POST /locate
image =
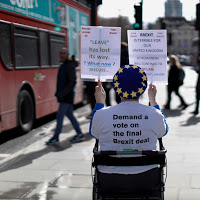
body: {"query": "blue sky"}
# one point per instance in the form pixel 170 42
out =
pixel 152 9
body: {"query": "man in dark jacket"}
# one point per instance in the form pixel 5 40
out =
pixel 66 81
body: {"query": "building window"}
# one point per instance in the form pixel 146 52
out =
pixel 5 45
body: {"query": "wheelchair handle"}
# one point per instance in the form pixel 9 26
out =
pixel 154 153
pixel 134 152
pixel 96 152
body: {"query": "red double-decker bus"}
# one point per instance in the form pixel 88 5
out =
pixel 31 34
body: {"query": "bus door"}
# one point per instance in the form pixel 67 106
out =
pixel 7 78
pixel 0 109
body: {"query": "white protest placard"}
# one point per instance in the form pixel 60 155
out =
pixel 148 50
pixel 100 52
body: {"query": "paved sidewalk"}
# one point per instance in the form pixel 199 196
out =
pixel 63 172
pixel 183 144
pixel 56 172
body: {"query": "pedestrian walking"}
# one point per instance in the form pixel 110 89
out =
pixel 175 80
pixel 66 81
pixel 197 68
pixel 73 58
pixel 90 90
pixel 124 60
pixel 107 87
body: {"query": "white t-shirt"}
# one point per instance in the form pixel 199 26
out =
pixel 128 125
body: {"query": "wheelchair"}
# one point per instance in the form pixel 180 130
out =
pixel 147 185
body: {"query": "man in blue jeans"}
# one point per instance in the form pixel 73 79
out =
pixel 66 81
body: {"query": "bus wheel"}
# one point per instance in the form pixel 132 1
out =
pixel 25 111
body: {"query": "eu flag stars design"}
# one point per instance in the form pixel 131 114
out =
pixel 134 67
pixel 130 81
pixel 119 90
pixel 140 90
pixel 125 94
pixel 127 66
pixel 120 70
pixel 116 84
pixel 143 84
pixel 133 94
pixel 141 71
pixel 144 78
pixel 115 78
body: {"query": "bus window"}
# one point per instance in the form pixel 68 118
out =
pixel 26 48
pixel 5 45
pixel 56 43
pixel 44 49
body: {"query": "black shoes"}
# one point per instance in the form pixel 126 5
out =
pixel 184 106
pixel 195 112
pixel 78 138
pixel 166 107
pixel 52 141
pixel 75 139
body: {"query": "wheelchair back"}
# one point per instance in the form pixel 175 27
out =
pixel 147 185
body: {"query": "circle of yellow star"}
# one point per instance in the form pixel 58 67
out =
pixel 141 71
pixel 133 94
pixel 115 78
pixel 144 78
pixel 119 90
pixel 143 84
pixel 116 84
pixel 120 70
pixel 134 67
pixel 140 90
pixel 127 66
pixel 125 94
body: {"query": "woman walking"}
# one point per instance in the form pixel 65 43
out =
pixel 174 82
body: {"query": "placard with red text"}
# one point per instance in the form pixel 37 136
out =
pixel 100 52
pixel 148 50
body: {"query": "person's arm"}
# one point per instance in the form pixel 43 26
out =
pixel 166 125
pixel 100 97
pixel 98 106
pixel 152 100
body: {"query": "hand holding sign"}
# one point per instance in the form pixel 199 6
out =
pixel 148 49
pixel 152 94
pixel 100 94
pixel 100 52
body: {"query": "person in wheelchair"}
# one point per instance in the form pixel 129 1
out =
pixel 127 126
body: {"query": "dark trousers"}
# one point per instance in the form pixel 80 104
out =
pixel 107 91
pixel 176 90
pixel 90 90
pixel 197 95
pixel 66 109
pixel 197 101
pixel 118 99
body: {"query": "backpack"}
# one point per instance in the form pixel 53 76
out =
pixel 181 76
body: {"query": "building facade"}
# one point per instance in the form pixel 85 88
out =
pixel 181 35
pixel 182 39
